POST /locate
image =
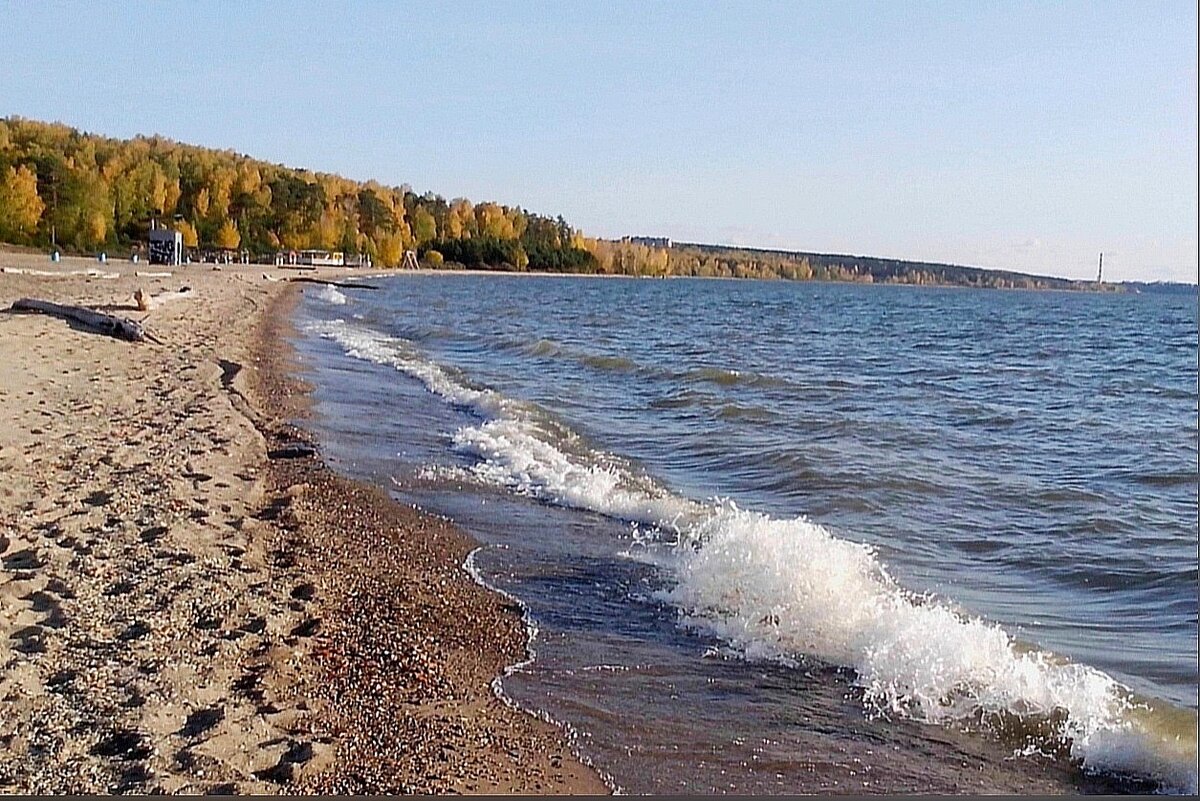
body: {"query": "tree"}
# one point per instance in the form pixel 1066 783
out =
pixel 373 214
pixel 20 206
pixel 460 219
pixel 190 238
pixel 85 210
pixel 424 228
pixel 228 237
pixel 390 249
pixel 201 202
pixel 493 222
pixel 328 232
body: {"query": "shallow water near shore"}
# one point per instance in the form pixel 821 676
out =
pixel 803 537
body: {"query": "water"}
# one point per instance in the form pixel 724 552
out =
pixel 805 537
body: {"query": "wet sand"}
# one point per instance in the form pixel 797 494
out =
pixel 191 601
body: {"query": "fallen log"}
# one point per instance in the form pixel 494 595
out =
pixel 58 273
pixel 338 284
pixel 119 327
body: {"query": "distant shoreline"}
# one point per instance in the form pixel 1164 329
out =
pixel 1050 283
pixel 1124 287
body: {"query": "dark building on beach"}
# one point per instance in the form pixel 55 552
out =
pixel 166 246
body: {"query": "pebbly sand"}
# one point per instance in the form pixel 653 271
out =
pixel 188 606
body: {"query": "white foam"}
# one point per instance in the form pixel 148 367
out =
pixel 785 589
pixel 330 295
pixel 512 454
pixel 370 345
pixel 778 589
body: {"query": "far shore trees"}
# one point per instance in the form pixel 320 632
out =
pixel 88 192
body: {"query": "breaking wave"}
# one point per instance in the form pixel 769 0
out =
pixel 788 589
pixel 330 295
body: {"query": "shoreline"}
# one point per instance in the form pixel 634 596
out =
pixel 425 271
pixel 183 613
pixel 527 755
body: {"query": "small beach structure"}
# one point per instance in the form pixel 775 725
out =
pixel 322 258
pixel 165 246
pixel 310 258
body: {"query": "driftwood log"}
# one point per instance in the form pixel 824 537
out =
pixel 119 327
pixel 338 284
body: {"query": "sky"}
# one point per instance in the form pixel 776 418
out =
pixel 1026 136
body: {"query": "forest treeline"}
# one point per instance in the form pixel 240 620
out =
pixel 81 192
pixel 735 262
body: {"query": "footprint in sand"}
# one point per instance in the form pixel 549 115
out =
pixel 132 780
pixel 25 559
pixel 201 720
pixel 29 640
pixel 306 629
pixel 281 773
pixel 152 534
pixel 123 744
pixel 135 631
pixel 63 682
pixel 98 498
pixel 120 588
pixel 43 601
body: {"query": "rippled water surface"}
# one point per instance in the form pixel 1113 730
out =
pixel 783 536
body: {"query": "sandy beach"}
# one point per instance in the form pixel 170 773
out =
pixel 192 602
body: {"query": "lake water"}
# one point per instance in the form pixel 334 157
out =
pixel 801 537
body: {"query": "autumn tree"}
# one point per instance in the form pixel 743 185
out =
pixel 191 239
pixel 390 250
pixel 20 205
pixel 424 229
pixel 228 237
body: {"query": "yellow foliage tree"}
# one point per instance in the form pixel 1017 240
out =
pixel 424 227
pixel 461 218
pixel 191 239
pixel 202 202
pixel 20 206
pixel 97 227
pixel 329 231
pixel 390 249
pixel 493 222
pixel 228 237
pixel 248 179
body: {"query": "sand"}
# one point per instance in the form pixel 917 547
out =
pixel 192 601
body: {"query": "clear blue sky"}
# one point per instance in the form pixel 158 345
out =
pixel 1001 134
